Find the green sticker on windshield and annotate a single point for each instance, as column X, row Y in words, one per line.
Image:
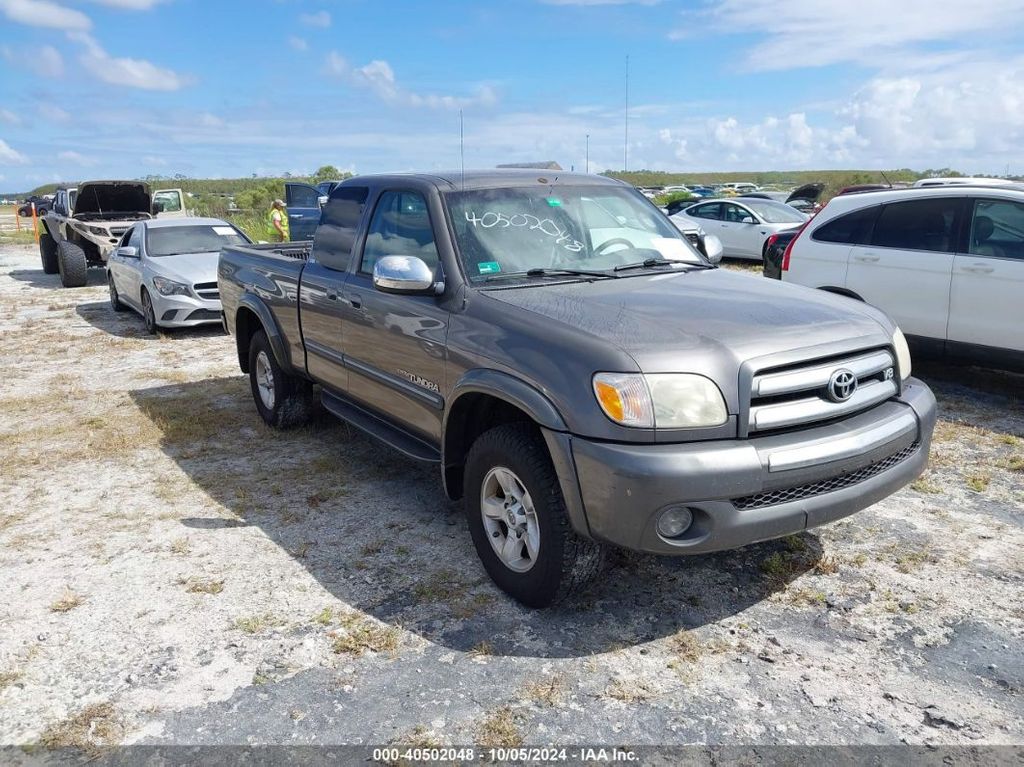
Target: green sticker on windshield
column 489, row 267
column 554, row 202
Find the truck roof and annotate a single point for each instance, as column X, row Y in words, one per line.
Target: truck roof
column 487, row 179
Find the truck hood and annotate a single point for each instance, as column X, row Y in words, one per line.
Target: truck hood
column 189, row 268
column 702, row 321
column 113, row 197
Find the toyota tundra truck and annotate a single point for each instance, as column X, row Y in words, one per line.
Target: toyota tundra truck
column 582, row 376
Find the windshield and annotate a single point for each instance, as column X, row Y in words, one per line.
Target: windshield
column 775, row 212
column 511, row 231
column 197, row 238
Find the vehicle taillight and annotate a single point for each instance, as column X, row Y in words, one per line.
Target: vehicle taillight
column 789, row 248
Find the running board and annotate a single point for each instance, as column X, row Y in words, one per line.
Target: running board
column 377, row 427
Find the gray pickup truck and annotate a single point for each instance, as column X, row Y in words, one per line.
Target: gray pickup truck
column 581, row 374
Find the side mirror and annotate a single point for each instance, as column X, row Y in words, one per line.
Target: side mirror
column 404, row 274
column 712, row 248
column 128, row 251
column 323, row 200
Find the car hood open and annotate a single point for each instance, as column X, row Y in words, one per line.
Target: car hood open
column 809, row 192
column 113, row 197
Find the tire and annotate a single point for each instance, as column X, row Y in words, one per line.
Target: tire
column 284, row 401
column 48, row 253
column 115, row 299
column 148, row 314
column 71, row 263
column 564, row 563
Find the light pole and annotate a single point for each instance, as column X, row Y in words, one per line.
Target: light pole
column 588, row 154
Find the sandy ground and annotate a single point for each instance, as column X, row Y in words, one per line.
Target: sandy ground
column 173, row 572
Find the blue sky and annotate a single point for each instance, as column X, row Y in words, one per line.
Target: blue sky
column 127, row 88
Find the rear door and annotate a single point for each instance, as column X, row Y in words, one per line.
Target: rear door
column 169, row 203
column 907, row 269
column 303, row 203
column 323, row 283
column 986, row 302
column 819, row 258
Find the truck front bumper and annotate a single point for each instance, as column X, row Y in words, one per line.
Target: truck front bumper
column 743, row 491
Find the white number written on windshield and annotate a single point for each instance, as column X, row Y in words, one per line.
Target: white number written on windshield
column 491, row 219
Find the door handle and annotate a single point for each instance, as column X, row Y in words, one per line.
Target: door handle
column 867, row 258
column 355, row 299
column 979, row 269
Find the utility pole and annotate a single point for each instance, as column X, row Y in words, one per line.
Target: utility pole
column 625, row 141
column 588, row 153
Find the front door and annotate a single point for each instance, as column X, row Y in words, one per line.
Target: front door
column 395, row 344
column 986, row 302
column 169, row 203
column 303, row 202
column 742, row 231
column 906, row 270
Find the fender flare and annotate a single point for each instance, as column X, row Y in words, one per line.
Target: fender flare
column 257, row 306
column 512, row 390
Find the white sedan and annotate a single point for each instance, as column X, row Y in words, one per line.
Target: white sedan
column 741, row 224
column 166, row 270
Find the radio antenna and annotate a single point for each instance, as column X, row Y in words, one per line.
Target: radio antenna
column 462, row 149
column 625, row 140
column 886, row 178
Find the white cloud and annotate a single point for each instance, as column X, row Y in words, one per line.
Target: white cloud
column 807, row 33
column 131, row 73
column 600, row 2
column 320, row 19
column 11, row 156
column 159, row 162
column 76, row 158
column 10, row 118
column 298, row 43
column 44, row 13
column 131, row 5
column 48, row 62
column 379, row 78
column 53, row 113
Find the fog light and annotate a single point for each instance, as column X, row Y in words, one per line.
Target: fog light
column 674, row 521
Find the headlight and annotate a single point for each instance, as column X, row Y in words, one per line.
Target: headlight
column 899, row 343
column 662, row 400
column 98, row 230
column 166, row 287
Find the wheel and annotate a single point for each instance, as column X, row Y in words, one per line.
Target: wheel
column 148, row 315
column 115, row 299
column 518, row 520
column 48, row 253
column 71, row 264
column 283, row 401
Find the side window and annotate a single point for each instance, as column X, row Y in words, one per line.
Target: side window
column 917, row 225
column 734, row 213
column 125, row 238
column 400, row 227
column 712, row 211
column 997, row 229
column 167, row 202
column 851, row 229
column 336, row 235
column 302, row 196
column 135, row 237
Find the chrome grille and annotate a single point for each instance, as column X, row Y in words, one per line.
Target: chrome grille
column 786, row 495
column 207, row 290
column 797, row 395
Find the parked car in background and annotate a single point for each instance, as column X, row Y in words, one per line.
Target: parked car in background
column 166, row 270
column 946, row 263
column 962, row 181
column 774, row 250
column 42, row 206
column 304, row 203
column 742, row 224
column 579, row 382
column 739, row 187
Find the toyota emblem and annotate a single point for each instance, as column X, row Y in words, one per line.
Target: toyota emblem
column 841, row 385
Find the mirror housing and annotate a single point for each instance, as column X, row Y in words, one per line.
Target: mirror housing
column 322, row 199
column 712, row 248
column 404, row 274
column 128, row 251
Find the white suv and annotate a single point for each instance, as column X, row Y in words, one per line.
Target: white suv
column 946, row 263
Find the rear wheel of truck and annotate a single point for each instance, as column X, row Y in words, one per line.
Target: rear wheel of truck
column 283, row 401
column 519, row 522
column 48, row 253
column 71, row 263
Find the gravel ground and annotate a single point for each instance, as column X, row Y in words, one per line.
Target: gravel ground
column 171, row 571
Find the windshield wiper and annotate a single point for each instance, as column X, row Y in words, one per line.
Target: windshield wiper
column 651, row 262
column 544, row 272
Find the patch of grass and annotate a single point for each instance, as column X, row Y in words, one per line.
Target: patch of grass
column 360, row 635
column 181, row 546
column 805, row 597
column 324, row 617
column 908, row 561
column 922, row 485
column 317, row 499
column 1009, row 439
column 203, row 585
column 685, row 646
column 827, row 566
column 481, row 648
column 440, row 586
column 499, row 729
column 629, row 692
column 1015, row 463
column 94, row 728
column 419, row 737
column 68, row 601
column 549, row 691
column 978, row 482
column 474, row 605
column 254, row 624
column 372, row 548
column 7, row 678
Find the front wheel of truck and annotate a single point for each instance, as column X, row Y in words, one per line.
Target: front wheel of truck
column 518, row 520
column 283, row 401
